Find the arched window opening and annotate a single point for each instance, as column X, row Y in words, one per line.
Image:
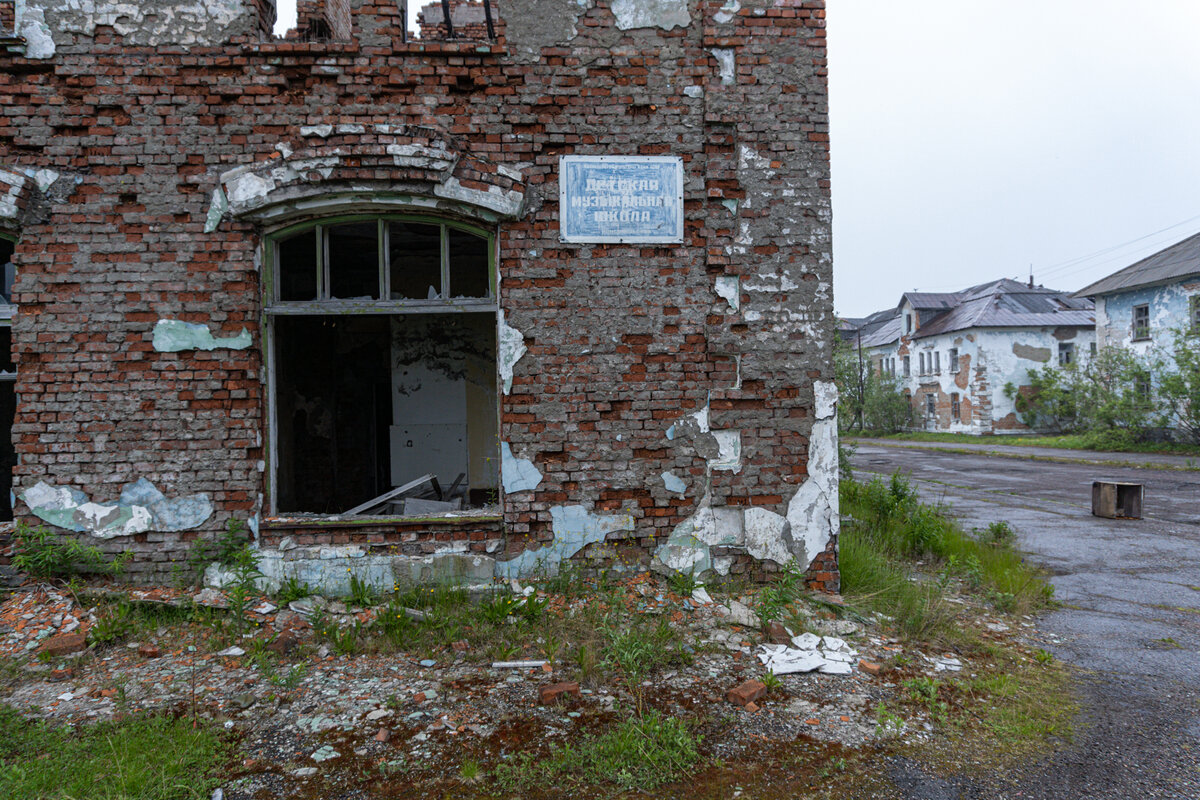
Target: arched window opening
column 383, row 368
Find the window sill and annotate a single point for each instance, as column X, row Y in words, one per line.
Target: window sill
column 460, row 518
column 319, row 307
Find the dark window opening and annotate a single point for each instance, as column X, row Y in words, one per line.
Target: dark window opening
column 371, row 398
column 415, row 260
column 907, row 366
column 1141, row 322
column 930, row 405
column 1066, row 353
column 954, row 360
column 1194, row 311
column 955, row 408
column 298, row 266
column 8, row 378
column 352, row 252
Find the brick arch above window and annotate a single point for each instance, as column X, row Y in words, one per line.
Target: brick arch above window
column 349, row 167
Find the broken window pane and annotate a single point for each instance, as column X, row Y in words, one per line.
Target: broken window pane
column 415, row 260
column 469, row 273
column 353, row 250
column 298, row 266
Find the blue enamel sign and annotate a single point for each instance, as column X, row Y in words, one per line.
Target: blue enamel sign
column 621, row 199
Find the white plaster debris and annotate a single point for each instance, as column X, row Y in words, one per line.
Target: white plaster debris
column 828, row 655
column 174, row 336
column 232, row 652
column 665, row 14
column 701, row 596
column 944, row 663
column 511, row 348
column 319, row 131
column 729, row 288
column 694, row 91
column 673, row 483
column 726, row 64
column 517, row 474
column 44, row 178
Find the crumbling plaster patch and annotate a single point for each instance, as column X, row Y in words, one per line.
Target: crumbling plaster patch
column 184, row 22
column 665, row 14
column 574, row 528
column 729, row 288
column 812, row 513
column 1031, row 353
column 511, row 347
column 673, row 483
column 727, row 12
column 11, row 184
column 726, row 64
column 173, row 336
column 543, row 24
column 517, row 474
column 32, row 27
column 328, row 569
column 141, row 507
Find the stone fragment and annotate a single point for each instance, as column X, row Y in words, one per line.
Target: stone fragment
column 752, row 707
column 383, row 735
column 282, row 644
column 324, row 754
column 378, row 713
column 748, row 692
column 777, row 633
column 64, row 644
column 556, row 692
column 740, row 614
column 232, row 652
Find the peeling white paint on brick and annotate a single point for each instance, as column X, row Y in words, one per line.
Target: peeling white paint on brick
column 11, row 184
column 185, row 22
column 673, row 483
column 812, row 512
column 141, row 507
column 729, row 288
column 574, row 527
column 727, row 12
column 665, row 14
column 511, row 348
column 503, row 202
column 517, row 474
column 217, row 208
column 174, row 336
column 726, row 64
column 39, row 41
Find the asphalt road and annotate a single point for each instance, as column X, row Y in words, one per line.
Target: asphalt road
column 1130, row 618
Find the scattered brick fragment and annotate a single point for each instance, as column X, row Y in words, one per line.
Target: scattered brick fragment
column 777, row 633
column 752, row 707
column 149, row 651
column 557, row 692
column 748, row 692
column 64, row 644
column 383, row 735
column 870, row 667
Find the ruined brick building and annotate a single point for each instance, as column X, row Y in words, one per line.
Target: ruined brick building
column 545, row 280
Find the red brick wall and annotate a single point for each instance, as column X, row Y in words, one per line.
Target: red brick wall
column 623, row 340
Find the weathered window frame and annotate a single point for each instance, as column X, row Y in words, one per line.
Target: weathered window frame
column 955, row 406
column 953, row 360
column 274, row 308
column 1066, row 353
column 1194, row 312
column 1140, row 328
column 908, row 366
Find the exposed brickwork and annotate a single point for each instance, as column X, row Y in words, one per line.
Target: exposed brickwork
column 622, row 340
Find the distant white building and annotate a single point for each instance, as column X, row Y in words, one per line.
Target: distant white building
column 1141, row 306
column 954, row 353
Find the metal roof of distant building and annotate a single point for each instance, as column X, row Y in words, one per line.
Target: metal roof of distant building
column 1011, row 304
column 1177, row 261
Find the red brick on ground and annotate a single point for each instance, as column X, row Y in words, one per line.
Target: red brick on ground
column 554, row 692
column 747, row 693
column 65, row 644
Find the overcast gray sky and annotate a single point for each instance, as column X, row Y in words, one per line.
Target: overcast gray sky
column 974, row 138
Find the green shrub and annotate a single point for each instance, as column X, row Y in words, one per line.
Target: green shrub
column 44, row 555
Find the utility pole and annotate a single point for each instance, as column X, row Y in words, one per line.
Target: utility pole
column 862, row 397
